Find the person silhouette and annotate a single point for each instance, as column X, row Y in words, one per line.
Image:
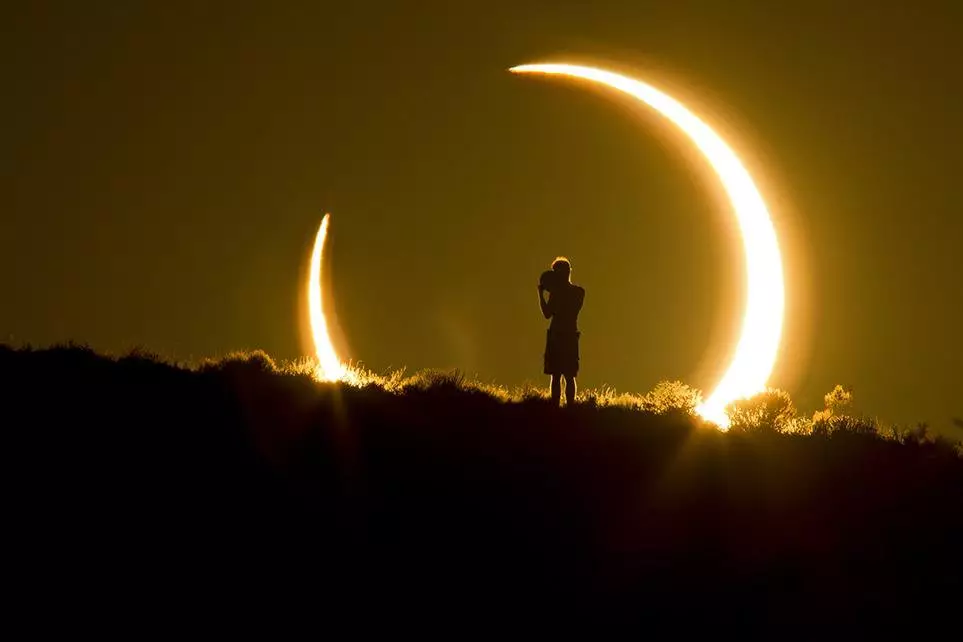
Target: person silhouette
column 562, row 306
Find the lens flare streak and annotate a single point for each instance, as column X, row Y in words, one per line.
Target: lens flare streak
column 762, row 322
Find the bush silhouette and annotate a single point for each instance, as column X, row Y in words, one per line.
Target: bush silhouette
column 839, row 417
column 771, row 411
column 672, row 396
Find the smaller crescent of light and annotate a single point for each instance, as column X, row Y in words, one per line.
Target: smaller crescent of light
column 762, row 322
column 330, row 367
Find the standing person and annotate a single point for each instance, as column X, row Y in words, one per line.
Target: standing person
column 562, row 306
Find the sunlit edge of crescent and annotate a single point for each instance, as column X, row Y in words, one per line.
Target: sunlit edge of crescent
column 765, row 301
column 330, row 367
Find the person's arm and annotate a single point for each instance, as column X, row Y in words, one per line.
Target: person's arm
column 543, row 304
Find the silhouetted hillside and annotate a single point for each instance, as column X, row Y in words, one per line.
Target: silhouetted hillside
column 144, row 486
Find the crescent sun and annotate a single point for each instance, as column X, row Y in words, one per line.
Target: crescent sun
column 762, row 321
column 330, row 367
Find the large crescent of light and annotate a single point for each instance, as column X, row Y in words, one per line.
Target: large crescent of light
column 330, row 367
column 762, row 323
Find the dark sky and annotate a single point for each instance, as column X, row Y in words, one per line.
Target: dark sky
column 165, row 165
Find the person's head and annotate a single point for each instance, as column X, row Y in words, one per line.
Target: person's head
column 563, row 268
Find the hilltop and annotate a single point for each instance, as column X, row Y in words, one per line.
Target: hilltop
column 240, row 478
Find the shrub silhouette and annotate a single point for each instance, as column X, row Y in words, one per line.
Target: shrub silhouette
column 838, row 399
column 837, row 424
column 672, row 396
column 838, row 416
column 771, row 411
column 238, row 363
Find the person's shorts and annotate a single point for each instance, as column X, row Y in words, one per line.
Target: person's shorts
column 561, row 352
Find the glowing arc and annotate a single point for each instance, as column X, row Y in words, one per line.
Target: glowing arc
column 330, row 367
column 762, row 321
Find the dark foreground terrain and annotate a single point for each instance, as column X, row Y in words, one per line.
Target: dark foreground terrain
column 141, row 490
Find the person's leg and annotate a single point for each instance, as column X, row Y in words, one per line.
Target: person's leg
column 556, row 386
column 570, row 390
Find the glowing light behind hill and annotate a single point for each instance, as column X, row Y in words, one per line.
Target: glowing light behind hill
column 762, row 322
column 330, row 367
